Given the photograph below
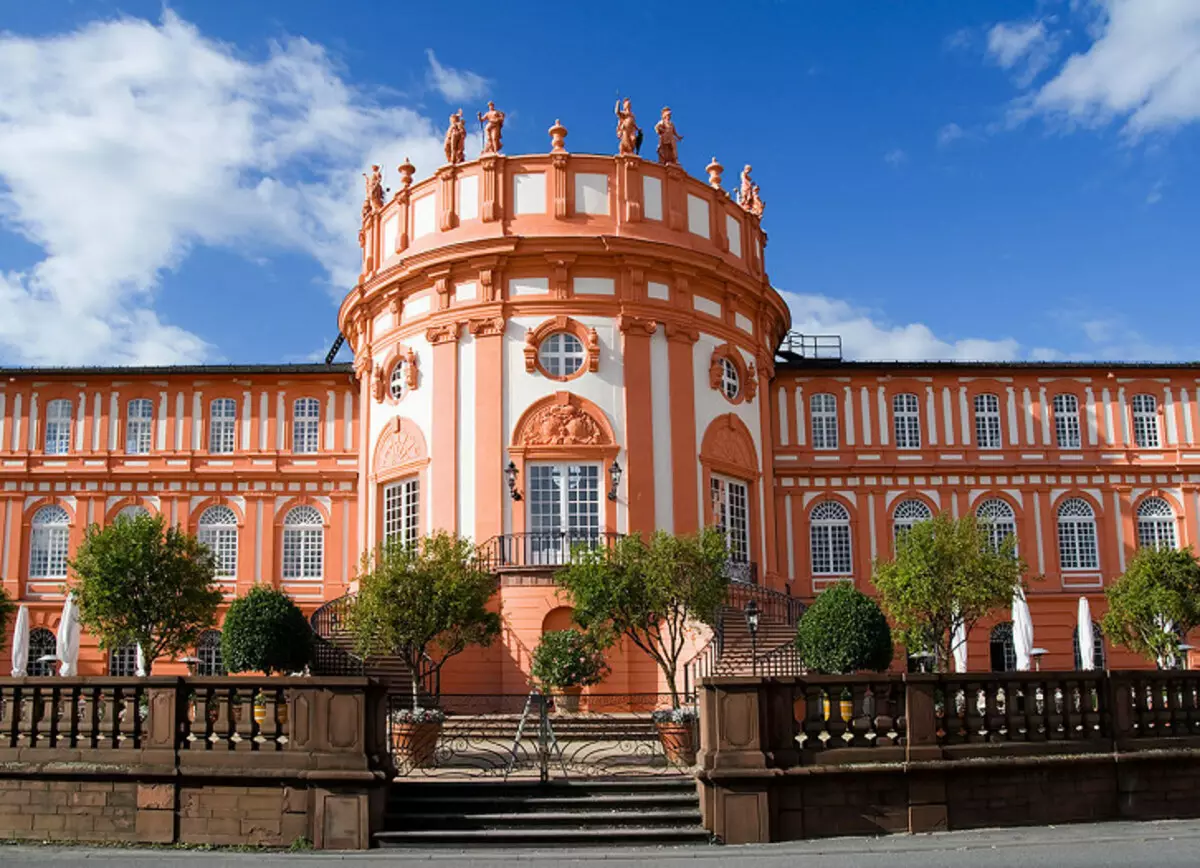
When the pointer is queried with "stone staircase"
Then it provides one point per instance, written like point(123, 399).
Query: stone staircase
point(334, 653)
point(661, 810)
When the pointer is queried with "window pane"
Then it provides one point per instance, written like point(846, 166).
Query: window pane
point(1066, 421)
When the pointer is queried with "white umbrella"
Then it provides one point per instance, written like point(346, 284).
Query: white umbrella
point(140, 671)
point(958, 644)
point(1022, 623)
point(20, 649)
point(68, 638)
point(1087, 639)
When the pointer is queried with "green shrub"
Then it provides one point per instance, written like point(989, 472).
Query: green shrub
point(265, 631)
point(844, 631)
point(568, 658)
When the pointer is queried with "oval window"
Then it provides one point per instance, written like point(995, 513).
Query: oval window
point(561, 355)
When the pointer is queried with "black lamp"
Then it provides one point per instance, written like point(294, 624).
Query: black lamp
point(510, 473)
point(614, 479)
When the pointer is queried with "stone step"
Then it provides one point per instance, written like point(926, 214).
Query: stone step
point(652, 800)
point(601, 819)
point(620, 836)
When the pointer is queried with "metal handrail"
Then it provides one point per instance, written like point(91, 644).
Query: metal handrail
point(540, 549)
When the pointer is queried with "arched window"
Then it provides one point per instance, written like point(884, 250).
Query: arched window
point(987, 421)
point(906, 514)
point(829, 535)
point(306, 425)
point(906, 421)
point(1003, 651)
point(997, 516)
point(1155, 524)
point(48, 543)
point(731, 383)
point(58, 427)
point(1145, 421)
point(122, 660)
point(824, 421)
point(139, 424)
point(217, 529)
point(41, 644)
point(561, 354)
point(303, 543)
point(1077, 536)
point(1098, 657)
point(132, 511)
point(398, 382)
point(1066, 421)
point(222, 426)
point(208, 654)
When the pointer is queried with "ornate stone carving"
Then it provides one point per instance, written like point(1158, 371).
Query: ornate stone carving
point(747, 376)
point(750, 386)
point(401, 443)
point(558, 138)
point(442, 334)
point(637, 325)
point(748, 196)
point(714, 170)
point(456, 138)
point(374, 200)
point(564, 424)
point(587, 336)
point(493, 121)
point(679, 332)
point(728, 442)
point(629, 135)
point(381, 381)
point(668, 139)
point(406, 170)
point(491, 326)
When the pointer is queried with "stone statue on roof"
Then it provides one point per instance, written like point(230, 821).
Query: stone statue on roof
point(493, 121)
point(456, 138)
point(629, 136)
point(668, 139)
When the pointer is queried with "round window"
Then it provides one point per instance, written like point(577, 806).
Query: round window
point(561, 354)
point(731, 383)
point(396, 384)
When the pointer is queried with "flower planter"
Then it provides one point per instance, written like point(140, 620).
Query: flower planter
point(260, 714)
point(679, 742)
point(414, 744)
point(566, 699)
point(845, 708)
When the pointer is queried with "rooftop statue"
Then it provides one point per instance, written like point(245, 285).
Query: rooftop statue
point(493, 121)
point(756, 202)
point(668, 140)
point(629, 135)
point(746, 192)
point(374, 200)
point(456, 138)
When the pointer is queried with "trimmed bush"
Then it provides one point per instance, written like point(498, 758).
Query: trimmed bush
point(265, 632)
point(568, 658)
point(844, 631)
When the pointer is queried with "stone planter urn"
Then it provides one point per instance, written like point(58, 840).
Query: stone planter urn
point(566, 699)
point(414, 744)
point(678, 741)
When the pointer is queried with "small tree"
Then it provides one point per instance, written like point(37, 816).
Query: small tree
point(1155, 603)
point(426, 602)
point(568, 658)
point(138, 581)
point(265, 631)
point(648, 591)
point(946, 570)
point(844, 631)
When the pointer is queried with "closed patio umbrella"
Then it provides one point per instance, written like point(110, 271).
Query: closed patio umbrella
point(1022, 623)
point(958, 644)
point(20, 649)
point(140, 670)
point(68, 638)
point(1087, 638)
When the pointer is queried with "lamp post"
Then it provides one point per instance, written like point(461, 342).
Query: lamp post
point(614, 478)
point(510, 473)
point(751, 612)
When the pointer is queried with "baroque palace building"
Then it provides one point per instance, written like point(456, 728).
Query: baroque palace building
point(560, 347)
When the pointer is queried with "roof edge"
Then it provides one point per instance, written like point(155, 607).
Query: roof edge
point(314, 368)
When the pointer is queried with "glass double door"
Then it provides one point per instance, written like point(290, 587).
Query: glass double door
point(564, 510)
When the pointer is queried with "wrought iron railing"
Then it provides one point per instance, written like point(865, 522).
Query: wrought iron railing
point(541, 549)
point(801, 346)
point(773, 605)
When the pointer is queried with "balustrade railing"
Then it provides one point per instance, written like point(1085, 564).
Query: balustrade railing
point(240, 714)
point(833, 712)
point(73, 713)
point(1021, 706)
point(1160, 704)
point(541, 549)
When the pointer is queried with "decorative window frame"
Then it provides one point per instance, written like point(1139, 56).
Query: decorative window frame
point(400, 452)
point(586, 336)
point(747, 375)
point(381, 376)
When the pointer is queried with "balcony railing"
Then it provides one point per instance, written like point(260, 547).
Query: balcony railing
point(541, 549)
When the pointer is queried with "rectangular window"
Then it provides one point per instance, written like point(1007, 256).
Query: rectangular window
point(1077, 545)
point(139, 425)
point(223, 542)
point(564, 509)
point(906, 421)
point(824, 421)
point(987, 421)
point(401, 511)
point(303, 552)
point(1066, 421)
point(1145, 422)
point(732, 516)
point(58, 427)
point(306, 426)
point(222, 426)
point(48, 553)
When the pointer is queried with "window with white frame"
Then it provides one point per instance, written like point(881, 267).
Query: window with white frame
point(49, 540)
point(906, 514)
point(303, 544)
point(564, 509)
point(987, 421)
point(561, 354)
point(217, 529)
point(58, 427)
point(731, 514)
point(306, 425)
point(42, 645)
point(999, 520)
point(122, 660)
point(824, 421)
point(731, 383)
point(1066, 421)
point(1145, 422)
point(402, 511)
point(829, 539)
point(222, 426)
point(1002, 647)
point(139, 426)
point(129, 513)
point(906, 421)
point(1155, 524)
point(1077, 536)
point(209, 662)
point(398, 382)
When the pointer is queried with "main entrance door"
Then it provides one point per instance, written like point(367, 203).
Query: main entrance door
point(564, 510)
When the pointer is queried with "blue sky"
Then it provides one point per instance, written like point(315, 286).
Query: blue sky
point(942, 179)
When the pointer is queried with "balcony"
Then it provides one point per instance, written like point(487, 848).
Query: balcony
point(541, 550)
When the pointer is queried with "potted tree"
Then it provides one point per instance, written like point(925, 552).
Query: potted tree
point(427, 602)
point(565, 662)
point(1155, 604)
point(650, 592)
point(265, 631)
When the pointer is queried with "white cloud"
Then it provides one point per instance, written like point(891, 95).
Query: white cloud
point(895, 157)
point(1023, 47)
point(866, 336)
point(125, 144)
point(1155, 195)
point(949, 134)
point(454, 84)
